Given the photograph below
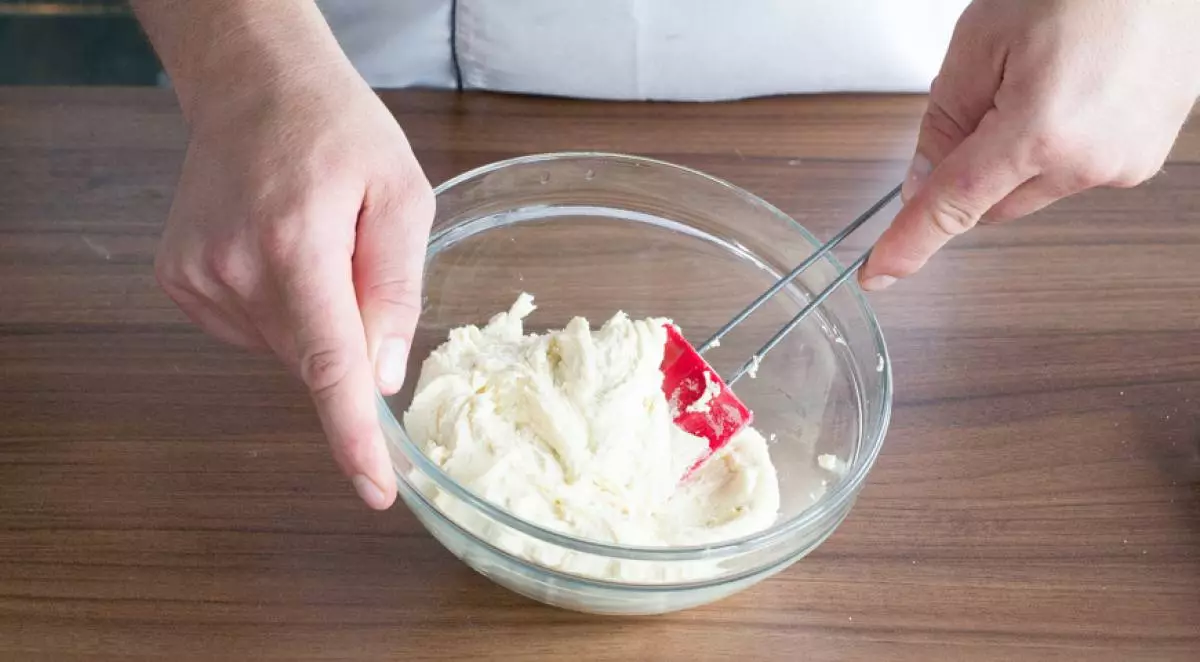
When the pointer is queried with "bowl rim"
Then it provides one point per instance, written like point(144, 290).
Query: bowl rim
point(830, 503)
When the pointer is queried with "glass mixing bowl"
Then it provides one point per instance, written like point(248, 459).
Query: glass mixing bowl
point(590, 234)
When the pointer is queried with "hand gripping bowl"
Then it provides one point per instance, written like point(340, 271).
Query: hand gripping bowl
point(590, 234)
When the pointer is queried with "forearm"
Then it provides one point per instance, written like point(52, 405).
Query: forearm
point(223, 50)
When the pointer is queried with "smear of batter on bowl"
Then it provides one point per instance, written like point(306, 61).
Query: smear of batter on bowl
point(831, 463)
point(570, 430)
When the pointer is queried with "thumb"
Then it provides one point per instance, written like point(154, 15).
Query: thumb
point(324, 336)
point(985, 168)
point(389, 258)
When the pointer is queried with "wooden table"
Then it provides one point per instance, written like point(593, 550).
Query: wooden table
point(164, 496)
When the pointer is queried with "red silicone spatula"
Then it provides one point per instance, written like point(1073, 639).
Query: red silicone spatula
point(701, 403)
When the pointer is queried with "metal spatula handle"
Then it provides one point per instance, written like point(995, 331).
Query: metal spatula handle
point(756, 358)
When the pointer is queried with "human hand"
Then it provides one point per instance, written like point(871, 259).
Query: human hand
point(300, 225)
point(1037, 100)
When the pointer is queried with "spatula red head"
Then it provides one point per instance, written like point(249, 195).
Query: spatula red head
point(701, 403)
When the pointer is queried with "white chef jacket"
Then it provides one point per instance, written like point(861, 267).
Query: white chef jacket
point(678, 50)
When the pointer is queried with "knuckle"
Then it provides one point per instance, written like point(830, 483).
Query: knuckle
point(1089, 167)
point(1093, 173)
point(401, 293)
point(223, 263)
point(950, 217)
point(1127, 181)
point(175, 278)
point(1050, 147)
point(940, 126)
point(324, 368)
point(422, 201)
point(1056, 148)
point(411, 201)
point(1131, 177)
point(1055, 142)
point(167, 272)
point(278, 240)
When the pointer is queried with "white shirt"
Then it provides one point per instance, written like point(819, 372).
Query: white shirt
point(680, 50)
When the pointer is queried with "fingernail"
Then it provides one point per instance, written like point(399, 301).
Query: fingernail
point(918, 172)
point(875, 283)
point(391, 363)
point(369, 492)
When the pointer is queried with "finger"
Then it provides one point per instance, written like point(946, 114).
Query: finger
point(1034, 195)
point(389, 258)
point(223, 320)
point(961, 94)
point(983, 170)
point(325, 334)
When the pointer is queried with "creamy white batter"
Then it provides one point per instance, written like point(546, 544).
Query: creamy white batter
point(570, 430)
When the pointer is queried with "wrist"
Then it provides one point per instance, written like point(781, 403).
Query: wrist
point(220, 55)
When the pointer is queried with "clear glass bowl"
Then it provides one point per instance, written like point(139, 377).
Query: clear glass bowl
point(589, 234)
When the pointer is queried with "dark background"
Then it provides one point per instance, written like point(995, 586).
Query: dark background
point(73, 42)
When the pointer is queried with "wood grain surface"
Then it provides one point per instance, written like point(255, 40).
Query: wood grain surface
point(165, 497)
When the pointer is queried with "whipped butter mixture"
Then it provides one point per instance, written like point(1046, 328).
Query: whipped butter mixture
point(570, 430)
